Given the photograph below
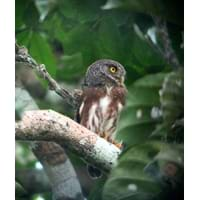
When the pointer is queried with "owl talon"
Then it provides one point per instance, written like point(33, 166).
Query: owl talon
point(118, 144)
point(109, 139)
point(104, 136)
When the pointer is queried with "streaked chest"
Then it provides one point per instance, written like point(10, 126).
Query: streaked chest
point(100, 109)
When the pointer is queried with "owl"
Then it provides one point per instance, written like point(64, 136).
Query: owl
point(102, 101)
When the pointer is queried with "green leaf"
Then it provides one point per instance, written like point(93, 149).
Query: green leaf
point(20, 7)
point(167, 167)
point(132, 178)
point(97, 189)
point(142, 112)
point(79, 12)
point(19, 190)
point(169, 10)
point(80, 39)
point(24, 38)
point(72, 67)
point(109, 43)
point(172, 105)
point(41, 51)
point(143, 96)
point(44, 7)
point(60, 27)
point(172, 95)
point(31, 15)
point(139, 55)
point(151, 80)
point(24, 156)
point(144, 52)
point(176, 34)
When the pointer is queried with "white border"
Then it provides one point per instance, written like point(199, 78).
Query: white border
point(7, 111)
point(192, 99)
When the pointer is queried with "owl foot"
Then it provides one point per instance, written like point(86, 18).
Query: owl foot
point(104, 136)
point(118, 144)
point(109, 139)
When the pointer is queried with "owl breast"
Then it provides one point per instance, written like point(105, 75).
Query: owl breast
point(100, 110)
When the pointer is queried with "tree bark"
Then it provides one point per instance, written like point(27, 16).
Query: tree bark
point(47, 125)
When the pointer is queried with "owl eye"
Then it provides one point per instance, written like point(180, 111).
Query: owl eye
point(113, 69)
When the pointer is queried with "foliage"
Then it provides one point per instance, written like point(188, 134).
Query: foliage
point(67, 36)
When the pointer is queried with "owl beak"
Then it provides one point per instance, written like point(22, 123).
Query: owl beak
point(121, 81)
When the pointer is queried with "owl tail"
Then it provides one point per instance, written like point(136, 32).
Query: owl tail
point(94, 172)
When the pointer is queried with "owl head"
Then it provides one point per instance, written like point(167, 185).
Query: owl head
point(105, 72)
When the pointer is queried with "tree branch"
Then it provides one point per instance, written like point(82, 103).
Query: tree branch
point(22, 56)
point(57, 166)
point(59, 169)
point(168, 52)
point(36, 181)
point(47, 125)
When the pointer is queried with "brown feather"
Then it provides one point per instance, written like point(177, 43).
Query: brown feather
point(91, 96)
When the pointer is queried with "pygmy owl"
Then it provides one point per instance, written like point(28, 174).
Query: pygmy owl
point(102, 101)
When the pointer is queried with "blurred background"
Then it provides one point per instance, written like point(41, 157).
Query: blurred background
point(145, 36)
